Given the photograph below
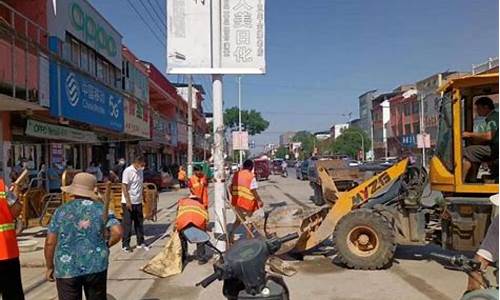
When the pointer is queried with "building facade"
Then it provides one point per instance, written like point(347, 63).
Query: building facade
point(365, 111)
point(336, 130)
point(286, 138)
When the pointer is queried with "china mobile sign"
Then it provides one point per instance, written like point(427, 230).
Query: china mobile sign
point(216, 37)
point(79, 98)
point(81, 20)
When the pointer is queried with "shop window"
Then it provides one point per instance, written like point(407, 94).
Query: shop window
point(100, 69)
point(75, 52)
point(105, 72)
point(407, 129)
point(92, 63)
point(416, 127)
point(415, 107)
point(84, 59)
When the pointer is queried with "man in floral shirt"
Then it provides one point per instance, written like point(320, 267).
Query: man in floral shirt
point(76, 249)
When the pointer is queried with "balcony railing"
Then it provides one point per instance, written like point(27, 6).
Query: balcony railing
point(485, 66)
point(24, 52)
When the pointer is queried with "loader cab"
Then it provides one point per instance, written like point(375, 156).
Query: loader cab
point(457, 115)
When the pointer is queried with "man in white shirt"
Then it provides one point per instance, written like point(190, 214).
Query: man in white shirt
point(132, 189)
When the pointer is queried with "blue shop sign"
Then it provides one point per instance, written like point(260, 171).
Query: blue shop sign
point(85, 100)
point(409, 140)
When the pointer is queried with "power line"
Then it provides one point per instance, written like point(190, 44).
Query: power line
point(160, 8)
point(162, 32)
point(162, 21)
point(147, 24)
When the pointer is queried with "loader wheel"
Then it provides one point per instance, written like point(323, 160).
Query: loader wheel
point(364, 240)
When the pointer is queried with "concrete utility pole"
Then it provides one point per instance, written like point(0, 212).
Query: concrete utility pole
point(422, 127)
point(239, 117)
point(218, 105)
point(190, 127)
point(219, 193)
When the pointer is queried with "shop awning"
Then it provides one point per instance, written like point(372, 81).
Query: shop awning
point(8, 103)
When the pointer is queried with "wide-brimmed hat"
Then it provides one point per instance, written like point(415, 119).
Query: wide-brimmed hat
point(83, 185)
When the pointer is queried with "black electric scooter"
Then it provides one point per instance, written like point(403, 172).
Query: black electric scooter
point(242, 267)
point(468, 265)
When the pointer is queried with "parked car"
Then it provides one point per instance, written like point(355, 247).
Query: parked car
point(160, 179)
point(304, 169)
point(262, 169)
point(354, 163)
point(276, 167)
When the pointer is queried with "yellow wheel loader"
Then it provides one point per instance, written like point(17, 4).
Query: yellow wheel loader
point(367, 222)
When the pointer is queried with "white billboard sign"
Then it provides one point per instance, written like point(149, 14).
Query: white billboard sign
point(240, 140)
point(216, 37)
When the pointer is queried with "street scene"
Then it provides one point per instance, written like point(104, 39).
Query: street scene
point(249, 149)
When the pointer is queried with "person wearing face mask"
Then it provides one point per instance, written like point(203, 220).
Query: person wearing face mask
point(132, 196)
point(117, 171)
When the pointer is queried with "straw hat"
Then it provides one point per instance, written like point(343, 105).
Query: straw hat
point(83, 185)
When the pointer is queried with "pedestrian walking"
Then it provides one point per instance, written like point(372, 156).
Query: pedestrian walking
point(10, 268)
point(132, 196)
point(191, 212)
point(76, 250)
point(198, 185)
point(245, 198)
point(182, 176)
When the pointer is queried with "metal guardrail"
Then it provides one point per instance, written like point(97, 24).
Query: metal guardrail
point(485, 66)
point(25, 42)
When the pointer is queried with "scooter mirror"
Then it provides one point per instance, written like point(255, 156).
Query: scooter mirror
point(195, 235)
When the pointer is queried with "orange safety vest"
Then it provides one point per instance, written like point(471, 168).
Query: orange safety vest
point(241, 192)
point(181, 175)
point(191, 212)
point(198, 186)
point(8, 241)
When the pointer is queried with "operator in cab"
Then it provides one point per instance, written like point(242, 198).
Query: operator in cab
point(191, 212)
point(198, 185)
point(484, 144)
point(244, 196)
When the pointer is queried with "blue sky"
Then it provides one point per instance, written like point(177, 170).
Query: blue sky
point(323, 54)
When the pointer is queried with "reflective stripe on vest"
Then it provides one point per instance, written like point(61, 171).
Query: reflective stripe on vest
point(3, 194)
point(193, 209)
point(244, 192)
point(8, 226)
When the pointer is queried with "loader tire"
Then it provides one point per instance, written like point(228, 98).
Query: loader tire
point(364, 240)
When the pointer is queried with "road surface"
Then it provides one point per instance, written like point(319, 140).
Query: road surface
point(412, 275)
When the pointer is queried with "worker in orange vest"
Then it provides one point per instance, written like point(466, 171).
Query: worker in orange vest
point(198, 185)
point(191, 212)
point(10, 268)
point(181, 176)
point(244, 196)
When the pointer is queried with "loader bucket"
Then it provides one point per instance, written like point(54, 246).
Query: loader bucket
point(282, 221)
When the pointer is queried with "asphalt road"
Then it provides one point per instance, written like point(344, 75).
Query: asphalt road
point(411, 276)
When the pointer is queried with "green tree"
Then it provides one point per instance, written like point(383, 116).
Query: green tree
point(252, 120)
point(281, 152)
point(308, 141)
point(349, 142)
